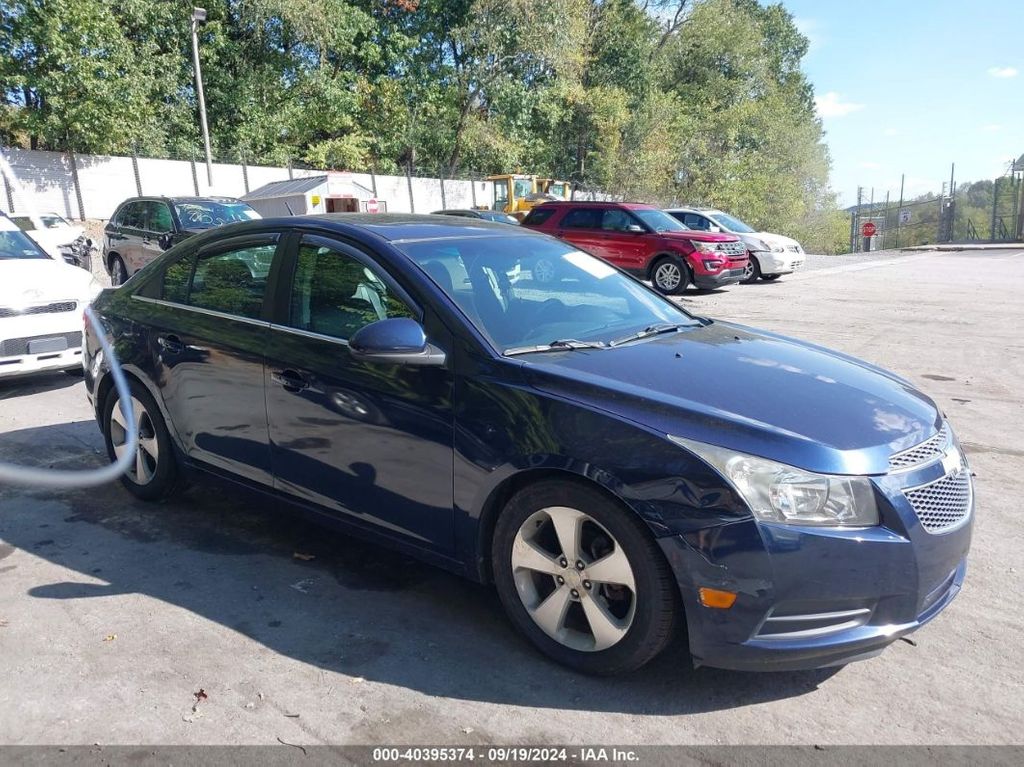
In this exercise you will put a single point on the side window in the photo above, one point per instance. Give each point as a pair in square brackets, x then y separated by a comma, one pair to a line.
[335, 294]
[176, 279]
[232, 281]
[615, 220]
[159, 217]
[694, 221]
[582, 218]
[538, 216]
[133, 216]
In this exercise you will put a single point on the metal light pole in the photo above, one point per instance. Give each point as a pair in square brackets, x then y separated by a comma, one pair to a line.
[199, 17]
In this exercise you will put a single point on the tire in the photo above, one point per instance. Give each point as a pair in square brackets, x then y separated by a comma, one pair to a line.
[155, 461]
[770, 277]
[670, 276]
[118, 271]
[634, 622]
[752, 271]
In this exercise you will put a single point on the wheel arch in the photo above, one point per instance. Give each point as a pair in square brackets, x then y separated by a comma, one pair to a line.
[675, 254]
[500, 495]
[131, 373]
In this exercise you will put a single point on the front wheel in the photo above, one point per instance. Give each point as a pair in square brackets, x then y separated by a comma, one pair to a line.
[118, 271]
[670, 276]
[153, 472]
[583, 579]
[751, 271]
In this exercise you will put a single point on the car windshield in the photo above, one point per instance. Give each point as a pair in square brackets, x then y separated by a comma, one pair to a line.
[533, 291]
[731, 224]
[53, 221]
[206, 214]
[658, 220]
[15, 244]
[501, 218]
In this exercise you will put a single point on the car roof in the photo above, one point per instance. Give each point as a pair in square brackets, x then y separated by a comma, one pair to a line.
[449, 211]
[692, 209]
[393, 227]
[597, 204]
[187, 198]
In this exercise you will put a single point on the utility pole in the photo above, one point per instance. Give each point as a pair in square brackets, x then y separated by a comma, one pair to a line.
[199, 17]
[899, 212]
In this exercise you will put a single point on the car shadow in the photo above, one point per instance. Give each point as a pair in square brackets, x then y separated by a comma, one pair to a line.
[37, 384]
[321, 597]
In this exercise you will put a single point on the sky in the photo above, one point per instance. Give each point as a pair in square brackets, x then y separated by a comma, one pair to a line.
[911, 86]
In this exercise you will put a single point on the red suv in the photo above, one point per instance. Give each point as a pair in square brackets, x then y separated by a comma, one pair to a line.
[645, 242]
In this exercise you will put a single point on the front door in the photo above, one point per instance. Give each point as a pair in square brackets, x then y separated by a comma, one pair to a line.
[207, 339]
[369, 440]
[625, 249]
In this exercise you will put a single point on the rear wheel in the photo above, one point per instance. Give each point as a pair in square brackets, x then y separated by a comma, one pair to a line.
[751, 271]
[583, 578]
[153, 474]
[118, 271]
[670, 276]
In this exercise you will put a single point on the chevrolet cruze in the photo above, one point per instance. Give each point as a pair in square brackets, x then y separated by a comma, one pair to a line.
[581, 442]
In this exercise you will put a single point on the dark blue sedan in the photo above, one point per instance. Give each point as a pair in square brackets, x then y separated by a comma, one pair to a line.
[581, 442]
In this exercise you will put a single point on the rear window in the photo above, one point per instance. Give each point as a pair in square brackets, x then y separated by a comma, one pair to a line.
[538, 216]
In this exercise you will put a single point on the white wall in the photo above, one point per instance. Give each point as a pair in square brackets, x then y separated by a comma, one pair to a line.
[105, 181]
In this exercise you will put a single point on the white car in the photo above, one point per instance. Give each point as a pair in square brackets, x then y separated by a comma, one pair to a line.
[771, 255]
[41, 305]
[61, 239]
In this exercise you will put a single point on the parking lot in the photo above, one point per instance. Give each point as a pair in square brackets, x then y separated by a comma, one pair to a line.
[114, 614]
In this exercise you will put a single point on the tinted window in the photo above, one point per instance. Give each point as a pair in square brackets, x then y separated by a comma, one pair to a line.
[24, 223]
[206, 214]
[159, 217]
[538, 216]
[176, 279]
[335, 294]
[133, 216]
[583, 218]
[521, 291]
[616, 220]
[15, 244]
[694, 221]
[232, 281]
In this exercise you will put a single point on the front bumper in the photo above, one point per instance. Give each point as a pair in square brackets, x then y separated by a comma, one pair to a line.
[39, 343]
[778, 263]
[815, 597]
[725, 277]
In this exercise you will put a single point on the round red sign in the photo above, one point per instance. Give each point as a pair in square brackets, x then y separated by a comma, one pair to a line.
[869, 229]
[372, 206]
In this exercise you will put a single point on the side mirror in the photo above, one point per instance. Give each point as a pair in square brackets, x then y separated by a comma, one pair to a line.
[635, 229]
[399, 341]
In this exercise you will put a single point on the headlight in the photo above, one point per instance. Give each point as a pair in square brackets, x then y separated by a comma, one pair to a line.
[776, 492]
[704, 247]
[760, 245]
[777, 248]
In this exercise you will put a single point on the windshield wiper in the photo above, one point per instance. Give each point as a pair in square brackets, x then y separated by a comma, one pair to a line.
[558, 345]
[650, 330]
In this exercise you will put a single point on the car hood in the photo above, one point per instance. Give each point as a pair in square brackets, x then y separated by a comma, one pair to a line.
[749, 391]
[700, 236]
[773, 239]
[39, 280]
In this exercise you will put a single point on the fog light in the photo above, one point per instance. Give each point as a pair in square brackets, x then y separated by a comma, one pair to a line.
[722, 600]
[712, 264]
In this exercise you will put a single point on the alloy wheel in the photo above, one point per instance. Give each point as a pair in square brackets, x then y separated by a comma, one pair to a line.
[668, 276]
[574, 579]
[748, 270]
[147, 456]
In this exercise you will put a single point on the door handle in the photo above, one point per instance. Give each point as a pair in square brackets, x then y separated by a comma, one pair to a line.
[171, 344]
[290, 380]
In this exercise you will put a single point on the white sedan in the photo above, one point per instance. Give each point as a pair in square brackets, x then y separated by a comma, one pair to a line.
[41, 305]
[771, 255]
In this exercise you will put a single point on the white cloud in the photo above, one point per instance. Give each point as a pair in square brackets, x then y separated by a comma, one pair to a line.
[1002, 72]
[890, 132]
[992, 128]
[832, 105]
[870, 165]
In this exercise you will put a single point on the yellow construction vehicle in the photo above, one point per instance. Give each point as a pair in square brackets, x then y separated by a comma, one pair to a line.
[516, 193]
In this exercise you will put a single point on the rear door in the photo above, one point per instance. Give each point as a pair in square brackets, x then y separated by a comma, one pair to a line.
[371, 441]
[126, 239]
[582, 228]
[207, 338]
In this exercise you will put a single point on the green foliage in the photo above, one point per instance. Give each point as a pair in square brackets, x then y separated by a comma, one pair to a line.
[697, 101]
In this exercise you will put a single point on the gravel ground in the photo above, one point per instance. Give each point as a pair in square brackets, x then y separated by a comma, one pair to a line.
[115, 613]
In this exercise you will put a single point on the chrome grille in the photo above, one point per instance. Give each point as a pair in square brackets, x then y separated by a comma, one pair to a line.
[57, 307]
[16, 347]
[932, 449]
[944, 503]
